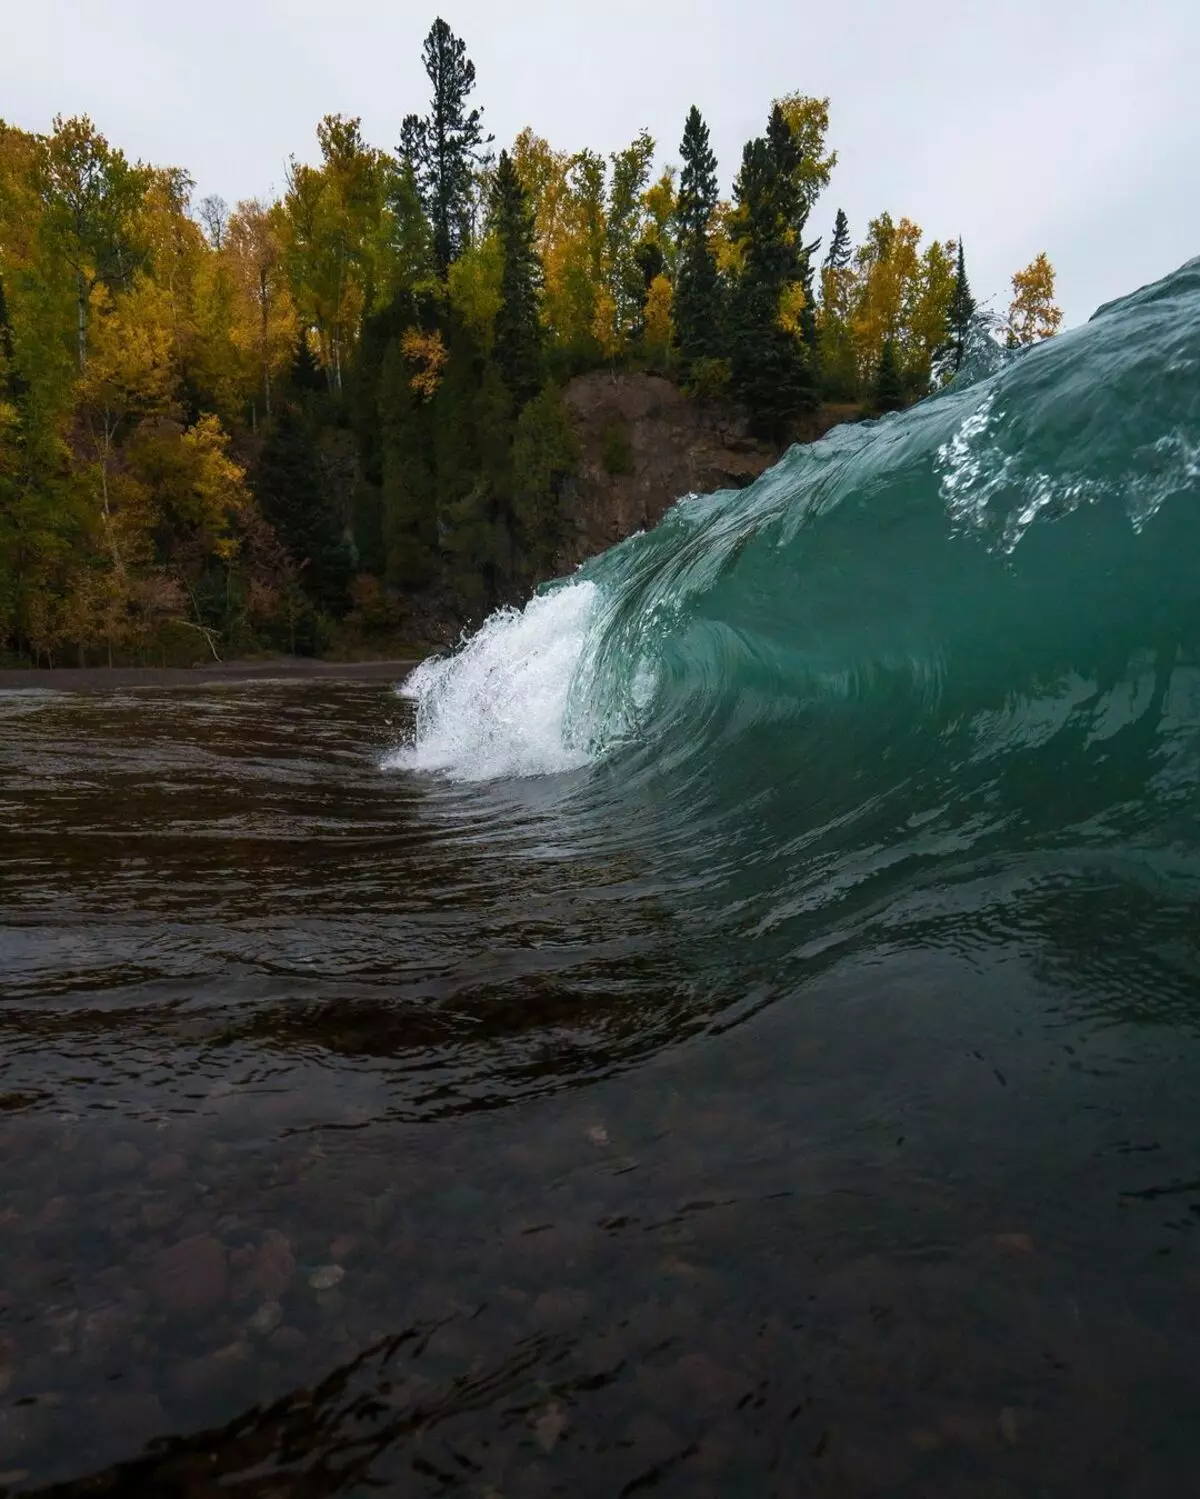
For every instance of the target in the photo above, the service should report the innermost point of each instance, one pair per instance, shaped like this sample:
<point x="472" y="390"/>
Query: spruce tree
<point x="773" y="369"/>
<point x="889" y="393"/>
<point x="518" y="329"/>
<point x="407" y="468"/>
<point x="444" y="147"/>
<point x="962" y="313"/>
<point x="305" y="375"/>
<point x="288" y="483"/>
<point x="697" y="303"/>
<point x="838" y="257"/>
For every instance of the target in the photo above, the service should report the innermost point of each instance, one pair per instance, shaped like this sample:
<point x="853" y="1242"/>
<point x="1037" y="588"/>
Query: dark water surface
<point x="367" y="1133"/>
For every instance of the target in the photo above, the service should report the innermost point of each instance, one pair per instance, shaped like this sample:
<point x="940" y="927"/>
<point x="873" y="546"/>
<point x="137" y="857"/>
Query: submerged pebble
<point x="266" y="1319"/>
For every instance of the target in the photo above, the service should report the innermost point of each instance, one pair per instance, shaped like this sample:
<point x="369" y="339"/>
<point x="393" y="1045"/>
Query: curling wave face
<point x="932" y="679"/>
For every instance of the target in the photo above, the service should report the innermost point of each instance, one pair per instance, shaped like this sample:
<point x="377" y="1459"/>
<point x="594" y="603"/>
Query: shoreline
<point x="92" y="678"/>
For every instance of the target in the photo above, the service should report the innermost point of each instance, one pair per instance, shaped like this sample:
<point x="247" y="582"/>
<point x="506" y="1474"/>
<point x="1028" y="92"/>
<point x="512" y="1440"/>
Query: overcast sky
<point x="1069" y="126"/>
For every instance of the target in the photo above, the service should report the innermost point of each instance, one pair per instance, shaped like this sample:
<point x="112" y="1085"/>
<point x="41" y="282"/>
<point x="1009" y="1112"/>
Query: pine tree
<point x="697" y="302"/>
<point x="962" y="313"/>
<point x="518" y="331"/>
<point x="444" y="147"/>
<point x="890" y="394"/>
<point x="773" y="369"/>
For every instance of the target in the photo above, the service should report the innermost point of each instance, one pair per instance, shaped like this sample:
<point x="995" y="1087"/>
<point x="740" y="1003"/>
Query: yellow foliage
<point x="792" y="303"/>
<point x="474" y="281"/>
<point x="216" y="483"/>
<point x="604" y="329"/>
<point x="263" y="315"/>
<point x="808" y="120"/>
<point x="887" y="270"/>
<point x="1033" y="314"/>
<point x="130" y="354"/>
<point x="656" y="316"/>
<point x="429" y="354"/>
<point x="728" y="241"/>
<point x="659" y="201"/>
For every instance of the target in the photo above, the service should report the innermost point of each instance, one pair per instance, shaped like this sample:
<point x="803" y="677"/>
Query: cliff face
<point x="643" y="445"/>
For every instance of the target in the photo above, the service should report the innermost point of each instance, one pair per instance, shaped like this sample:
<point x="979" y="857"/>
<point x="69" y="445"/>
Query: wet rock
<point x="122" y="1157"/>
<point x="867" y="1465"/>
<point x="701" y="1379"/>
<point x="190" y="1278"/>
<point x="167" y="1168"/>
<point x="1009" y="1424"/>
<point x="265" y="1320"/>
<point x="60" y="1331"/>
<point x="274" y="1266"/>
<point x="548" y="1426"/>
<point x="718" y="1447"/>
<point x="561" y="1307"/>
<point x="970" y="1428"/>
<point x="161" y="1213"/>
<point x="287" y="1340"/>
<point x="343" y="1247"/>
<point x="200" y="1377"/>
<point x="55" y="1211"/>
<point x="1018" y="1244"/>
<point x="23" y="1427"/>
<point x="326" y="1277"/>
<point x="137" y="1415"/>
<point x="651" y="1440"/>
<point x="331" y="1302"/>
<point x="103" y="1330"/>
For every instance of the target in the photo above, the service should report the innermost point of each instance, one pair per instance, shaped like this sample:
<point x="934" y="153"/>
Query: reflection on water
<point x="367" y="1133"/>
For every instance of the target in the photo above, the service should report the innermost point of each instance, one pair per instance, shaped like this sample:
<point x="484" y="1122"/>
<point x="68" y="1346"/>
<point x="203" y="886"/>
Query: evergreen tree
<point x="962" y="312"/>
<point x="839" y="254"/>
<point x="889" y="393"/>
<point x="545" y="453"/>
<point x="11" y="382"/>
<point x="839" y="357"/>
<point x="288" y="484"/>
<point x="305" y="375"/>
<point x="773" y="368"/>
<point x="408" y="496"/>
<point x="697" y="302"/>
<point x="444" y="147"/>
<point x="518" y="330"/>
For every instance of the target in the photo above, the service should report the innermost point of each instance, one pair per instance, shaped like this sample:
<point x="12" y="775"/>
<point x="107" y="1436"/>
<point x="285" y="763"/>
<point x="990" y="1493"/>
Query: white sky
<point x="1065" y="125"/>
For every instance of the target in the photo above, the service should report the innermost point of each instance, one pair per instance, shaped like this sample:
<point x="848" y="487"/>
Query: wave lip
<point x="499" y="707"/>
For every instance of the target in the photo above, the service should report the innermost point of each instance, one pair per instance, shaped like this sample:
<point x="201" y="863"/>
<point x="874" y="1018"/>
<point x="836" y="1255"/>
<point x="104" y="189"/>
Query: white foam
<point x="499" y="707"/>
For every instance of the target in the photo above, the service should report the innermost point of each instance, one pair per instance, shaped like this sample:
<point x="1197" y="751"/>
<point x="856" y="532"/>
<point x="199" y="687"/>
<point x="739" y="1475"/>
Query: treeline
<point x="297" y="423"/>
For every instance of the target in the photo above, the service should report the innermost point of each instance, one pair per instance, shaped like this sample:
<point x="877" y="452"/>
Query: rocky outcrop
<point x="643" y="445"/>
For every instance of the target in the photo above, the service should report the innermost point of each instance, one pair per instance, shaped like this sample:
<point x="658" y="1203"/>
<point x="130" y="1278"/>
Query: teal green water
<point x="930" y="681"/>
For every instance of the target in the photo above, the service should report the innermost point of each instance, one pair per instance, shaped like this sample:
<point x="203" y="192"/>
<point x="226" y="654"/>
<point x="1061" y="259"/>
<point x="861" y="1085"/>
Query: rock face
<point x="643" y="445"/>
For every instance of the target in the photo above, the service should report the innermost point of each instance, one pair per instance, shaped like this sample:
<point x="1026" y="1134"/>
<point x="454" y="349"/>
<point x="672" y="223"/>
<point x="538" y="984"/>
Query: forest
<point x="289" y="425"/>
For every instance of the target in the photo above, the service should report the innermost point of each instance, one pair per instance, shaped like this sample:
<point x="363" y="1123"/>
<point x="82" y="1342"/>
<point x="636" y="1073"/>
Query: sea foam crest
<point x="500" y="706"/>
